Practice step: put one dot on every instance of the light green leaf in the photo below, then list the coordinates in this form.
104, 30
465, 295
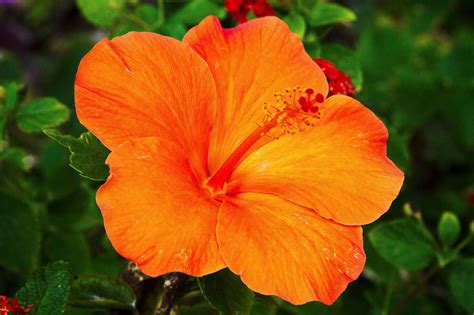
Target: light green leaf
87, 153
461, 282
226, 293
47, 289
147, 13
330, 13
11, 96
195, 10
101, 13
19, 235
42, 113
296, 23
404, 243
449, 228
98, 291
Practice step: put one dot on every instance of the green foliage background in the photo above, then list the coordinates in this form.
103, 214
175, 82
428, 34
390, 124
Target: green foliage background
412, 64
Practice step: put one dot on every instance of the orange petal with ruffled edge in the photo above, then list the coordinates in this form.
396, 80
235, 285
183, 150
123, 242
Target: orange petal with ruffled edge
144, 84
338, 167
250, 63
280, 248
154, 212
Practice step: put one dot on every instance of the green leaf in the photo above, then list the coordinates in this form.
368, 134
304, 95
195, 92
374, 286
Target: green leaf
19, 235
11, 96
330, 13
404, 243
147, 13
397, 148
296, 23
346, 61
87, 153
197, 309
174, 28
449, 228
461, 282
194, 11
42, 113
97, 291
226, 293
47, 289
16, 157
101, 13
71, 247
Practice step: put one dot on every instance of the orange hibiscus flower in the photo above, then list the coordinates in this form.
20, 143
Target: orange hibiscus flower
225, 153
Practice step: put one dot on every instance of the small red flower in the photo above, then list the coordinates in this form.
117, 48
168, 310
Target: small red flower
239, 9
12, 306
339, 82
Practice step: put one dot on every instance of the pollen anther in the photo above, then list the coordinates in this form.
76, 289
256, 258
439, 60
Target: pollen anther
293, 111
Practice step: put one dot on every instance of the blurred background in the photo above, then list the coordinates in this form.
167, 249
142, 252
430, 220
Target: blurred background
411, 62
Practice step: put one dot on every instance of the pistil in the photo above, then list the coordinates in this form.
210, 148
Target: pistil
292, 112
219, 178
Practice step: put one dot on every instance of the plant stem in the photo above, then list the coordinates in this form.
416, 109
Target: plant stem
388, 293
161, 13
174, 287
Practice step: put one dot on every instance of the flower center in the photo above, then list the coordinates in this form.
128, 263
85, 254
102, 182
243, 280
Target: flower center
293, 111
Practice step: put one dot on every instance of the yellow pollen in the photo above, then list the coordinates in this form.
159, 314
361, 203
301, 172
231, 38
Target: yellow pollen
294, 111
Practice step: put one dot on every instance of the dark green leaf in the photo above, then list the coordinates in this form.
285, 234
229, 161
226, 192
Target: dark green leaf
397, 147
87, 153
174, 28
198, 309
461, 282
330, 13
296, 23
71, 247
449, 228
404, 243
346, 61
47, 289
42, 113
109, 263
195, 10
19, 235
226, 292
16, 157
11, 70
96, 291
261, 307
101, 13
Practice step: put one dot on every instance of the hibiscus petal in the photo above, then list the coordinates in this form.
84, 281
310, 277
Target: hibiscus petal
338, 167
283, 249
154, 212
145, 84
250, 63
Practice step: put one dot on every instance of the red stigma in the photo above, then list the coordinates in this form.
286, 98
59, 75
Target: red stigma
339, 82
239, 9
308, 103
